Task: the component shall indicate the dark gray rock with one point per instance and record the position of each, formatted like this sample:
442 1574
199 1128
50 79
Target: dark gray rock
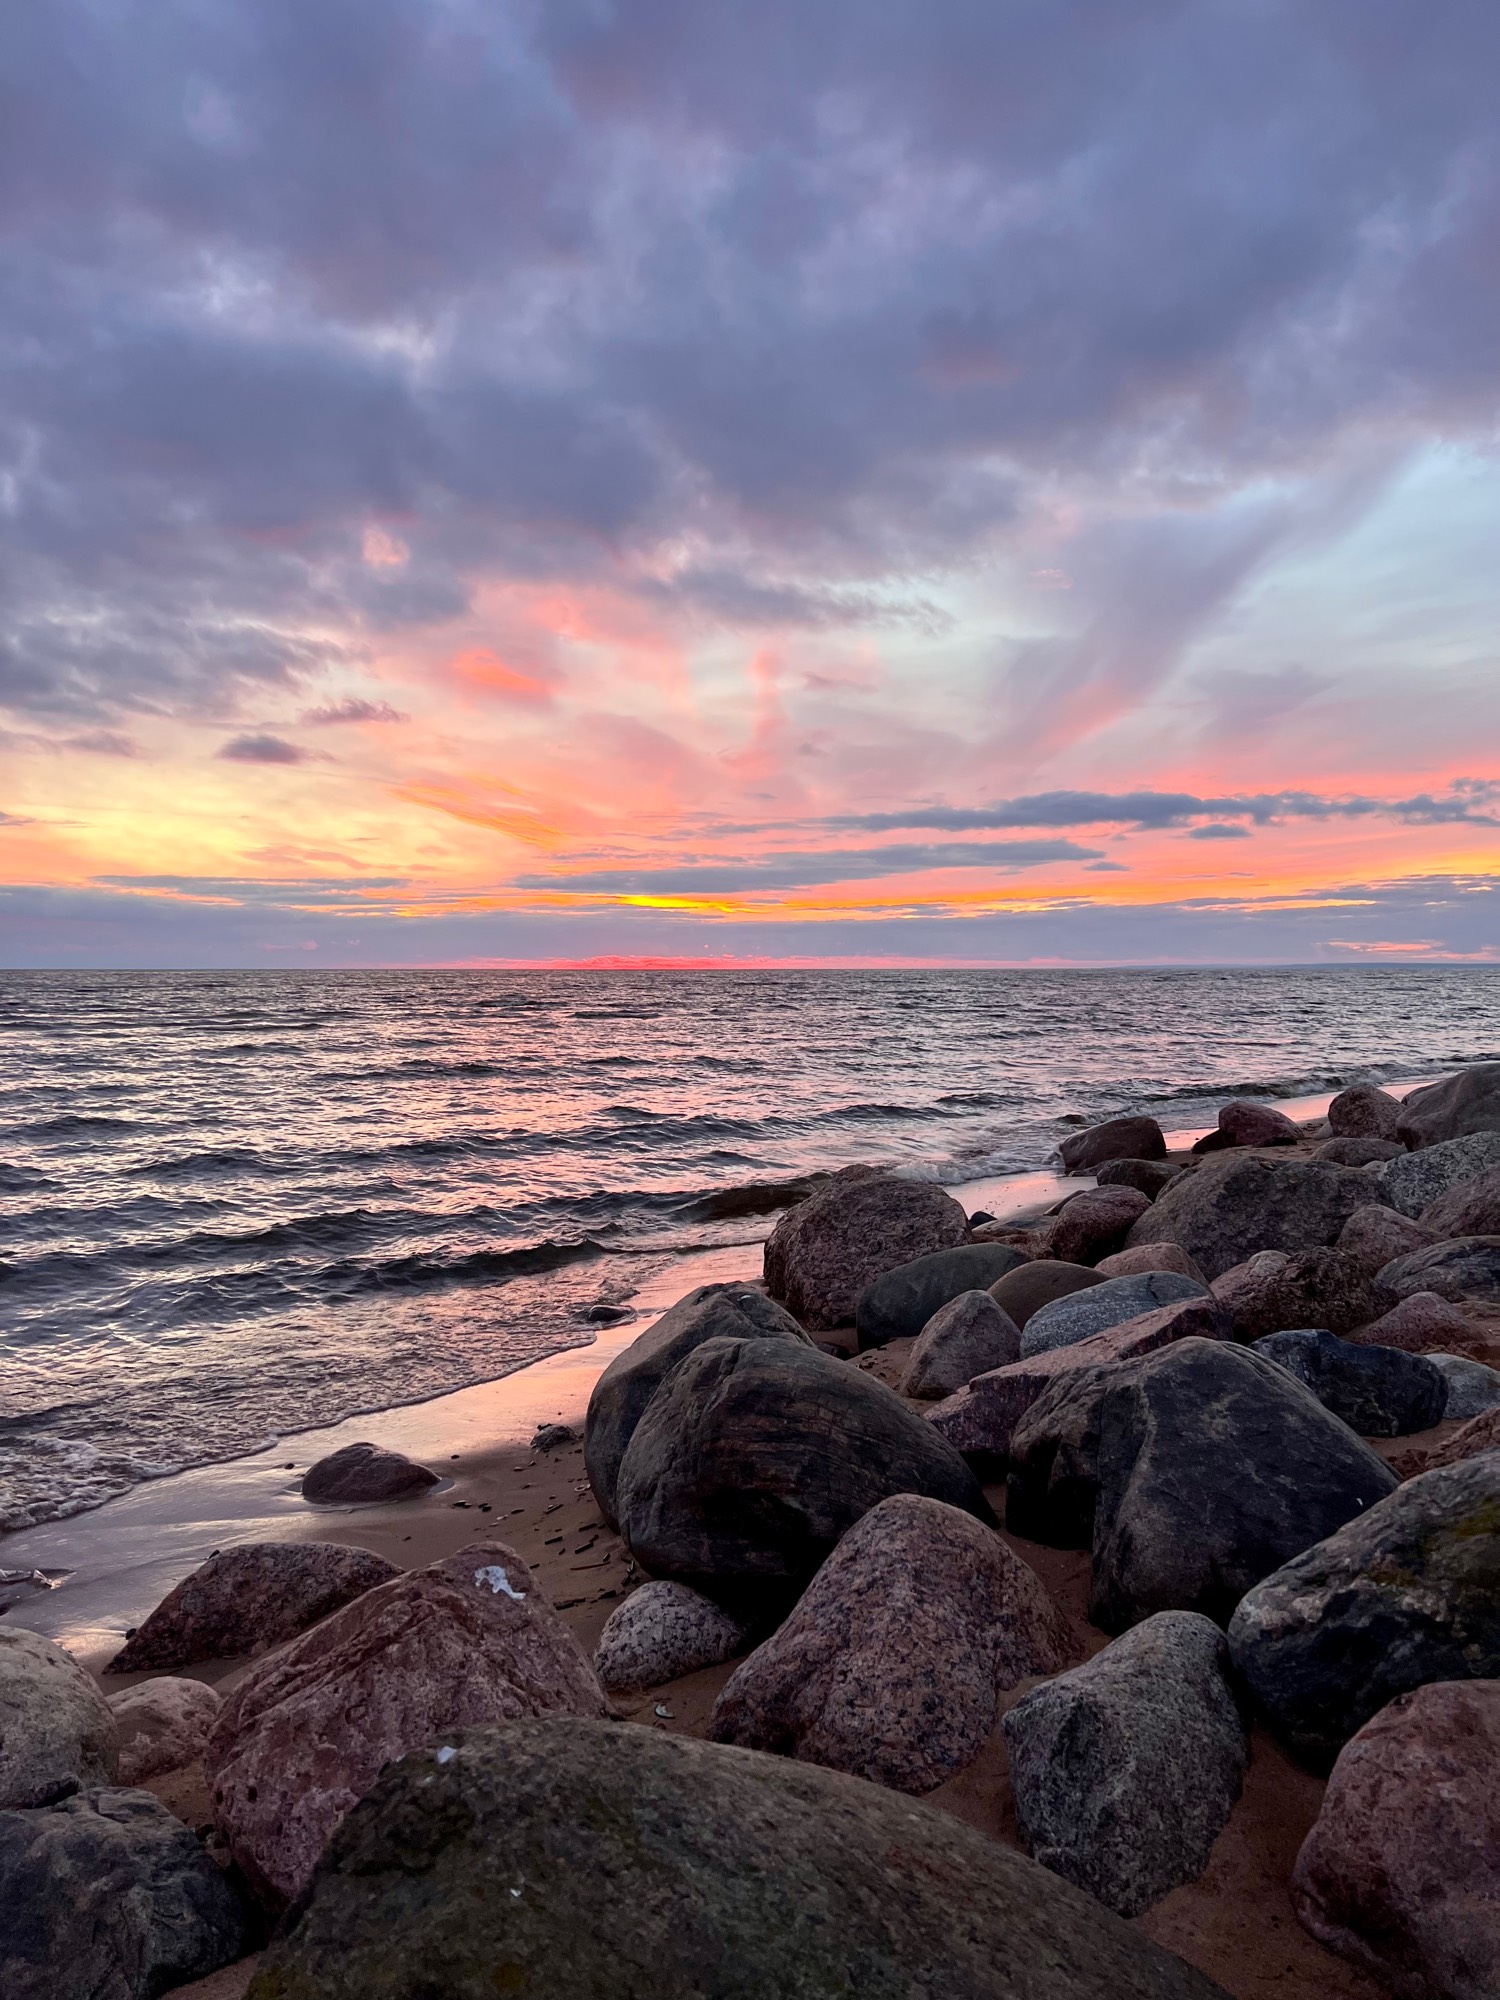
661 1632
1052 1481
1276 1289
901 1302
364 1473
552 1437
1467 1268
108 1896
1134 1138
622 1392
1215 1468
1022 1292
756 1456
1126 1769
1068 1320
1246 1123
1150 1176
824 1254
892 1662
56 1732
962 1339
1230 1208
245 1599
1358 1152
1090 1225
1472 1388
1454 1109
1470 1208
1364 1112
1405 1593
1377 1391
654 1867
1416 1180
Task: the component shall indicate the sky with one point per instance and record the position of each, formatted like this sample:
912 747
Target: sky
914 481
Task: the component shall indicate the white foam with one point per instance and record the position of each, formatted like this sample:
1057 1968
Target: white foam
497 1580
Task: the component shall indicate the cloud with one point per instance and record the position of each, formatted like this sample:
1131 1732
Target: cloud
103 743
261 749
1468 802
782 871
354 709
15 819
1214 831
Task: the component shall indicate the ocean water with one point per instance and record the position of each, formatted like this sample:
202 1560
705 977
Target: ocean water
236 1205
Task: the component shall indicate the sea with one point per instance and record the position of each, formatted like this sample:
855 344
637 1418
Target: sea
237 1205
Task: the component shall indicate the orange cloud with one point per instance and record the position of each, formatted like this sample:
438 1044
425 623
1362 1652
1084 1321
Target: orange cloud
480 667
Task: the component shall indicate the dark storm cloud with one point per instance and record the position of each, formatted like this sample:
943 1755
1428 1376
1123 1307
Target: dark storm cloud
825 288
262 750
1470 802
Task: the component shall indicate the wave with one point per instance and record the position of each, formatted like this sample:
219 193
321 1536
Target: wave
70 1124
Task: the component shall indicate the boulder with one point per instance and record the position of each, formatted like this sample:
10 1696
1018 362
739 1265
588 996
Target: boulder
1067 1321
1457 1108
305 1734
1363 1112
964 1338
1472 1388
620 1396
755 1457
1419 1324
1466 1268
1025 1291
1215 1467
1052 1478
1469 1208
1415 1181
981 1419
1404 1593
891 1664
1134 1138
661 1632
1245 1123
899 1304
1377 1391
1230 1208
56 1733
1358 1152
1125 1770
650 1866
1480 1434
1399 1872
244 1599
1376 1236
1150 1257
825 1253
363 1473
1090 1225
1278 1288
1150 1176
162 1725
108 1896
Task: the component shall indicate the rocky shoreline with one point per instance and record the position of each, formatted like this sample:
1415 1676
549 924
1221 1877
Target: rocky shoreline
1102 1603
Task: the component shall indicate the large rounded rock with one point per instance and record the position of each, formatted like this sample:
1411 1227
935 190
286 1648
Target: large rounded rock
593 1859
362 1473
1467 1268
1457 1108
962 1339
901 1302
1025 1291
1469 1208
1150 1257
1134 1138
620 1396
162 1725
1419 1324
1278 1288
1089 1226
1404 1593
661 1632
1052 1477
245 1599
824 1253
1376 1236
1400 1870
755 1457
1243 1122
1150 1176
1359 1152
1364 1112
891 1663
1415 1181
108 1896
1215 1467
1377 1391
1068 1320
55 1731
1472 1388
1230 1208
1479 1435
304 1735
1125 1770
